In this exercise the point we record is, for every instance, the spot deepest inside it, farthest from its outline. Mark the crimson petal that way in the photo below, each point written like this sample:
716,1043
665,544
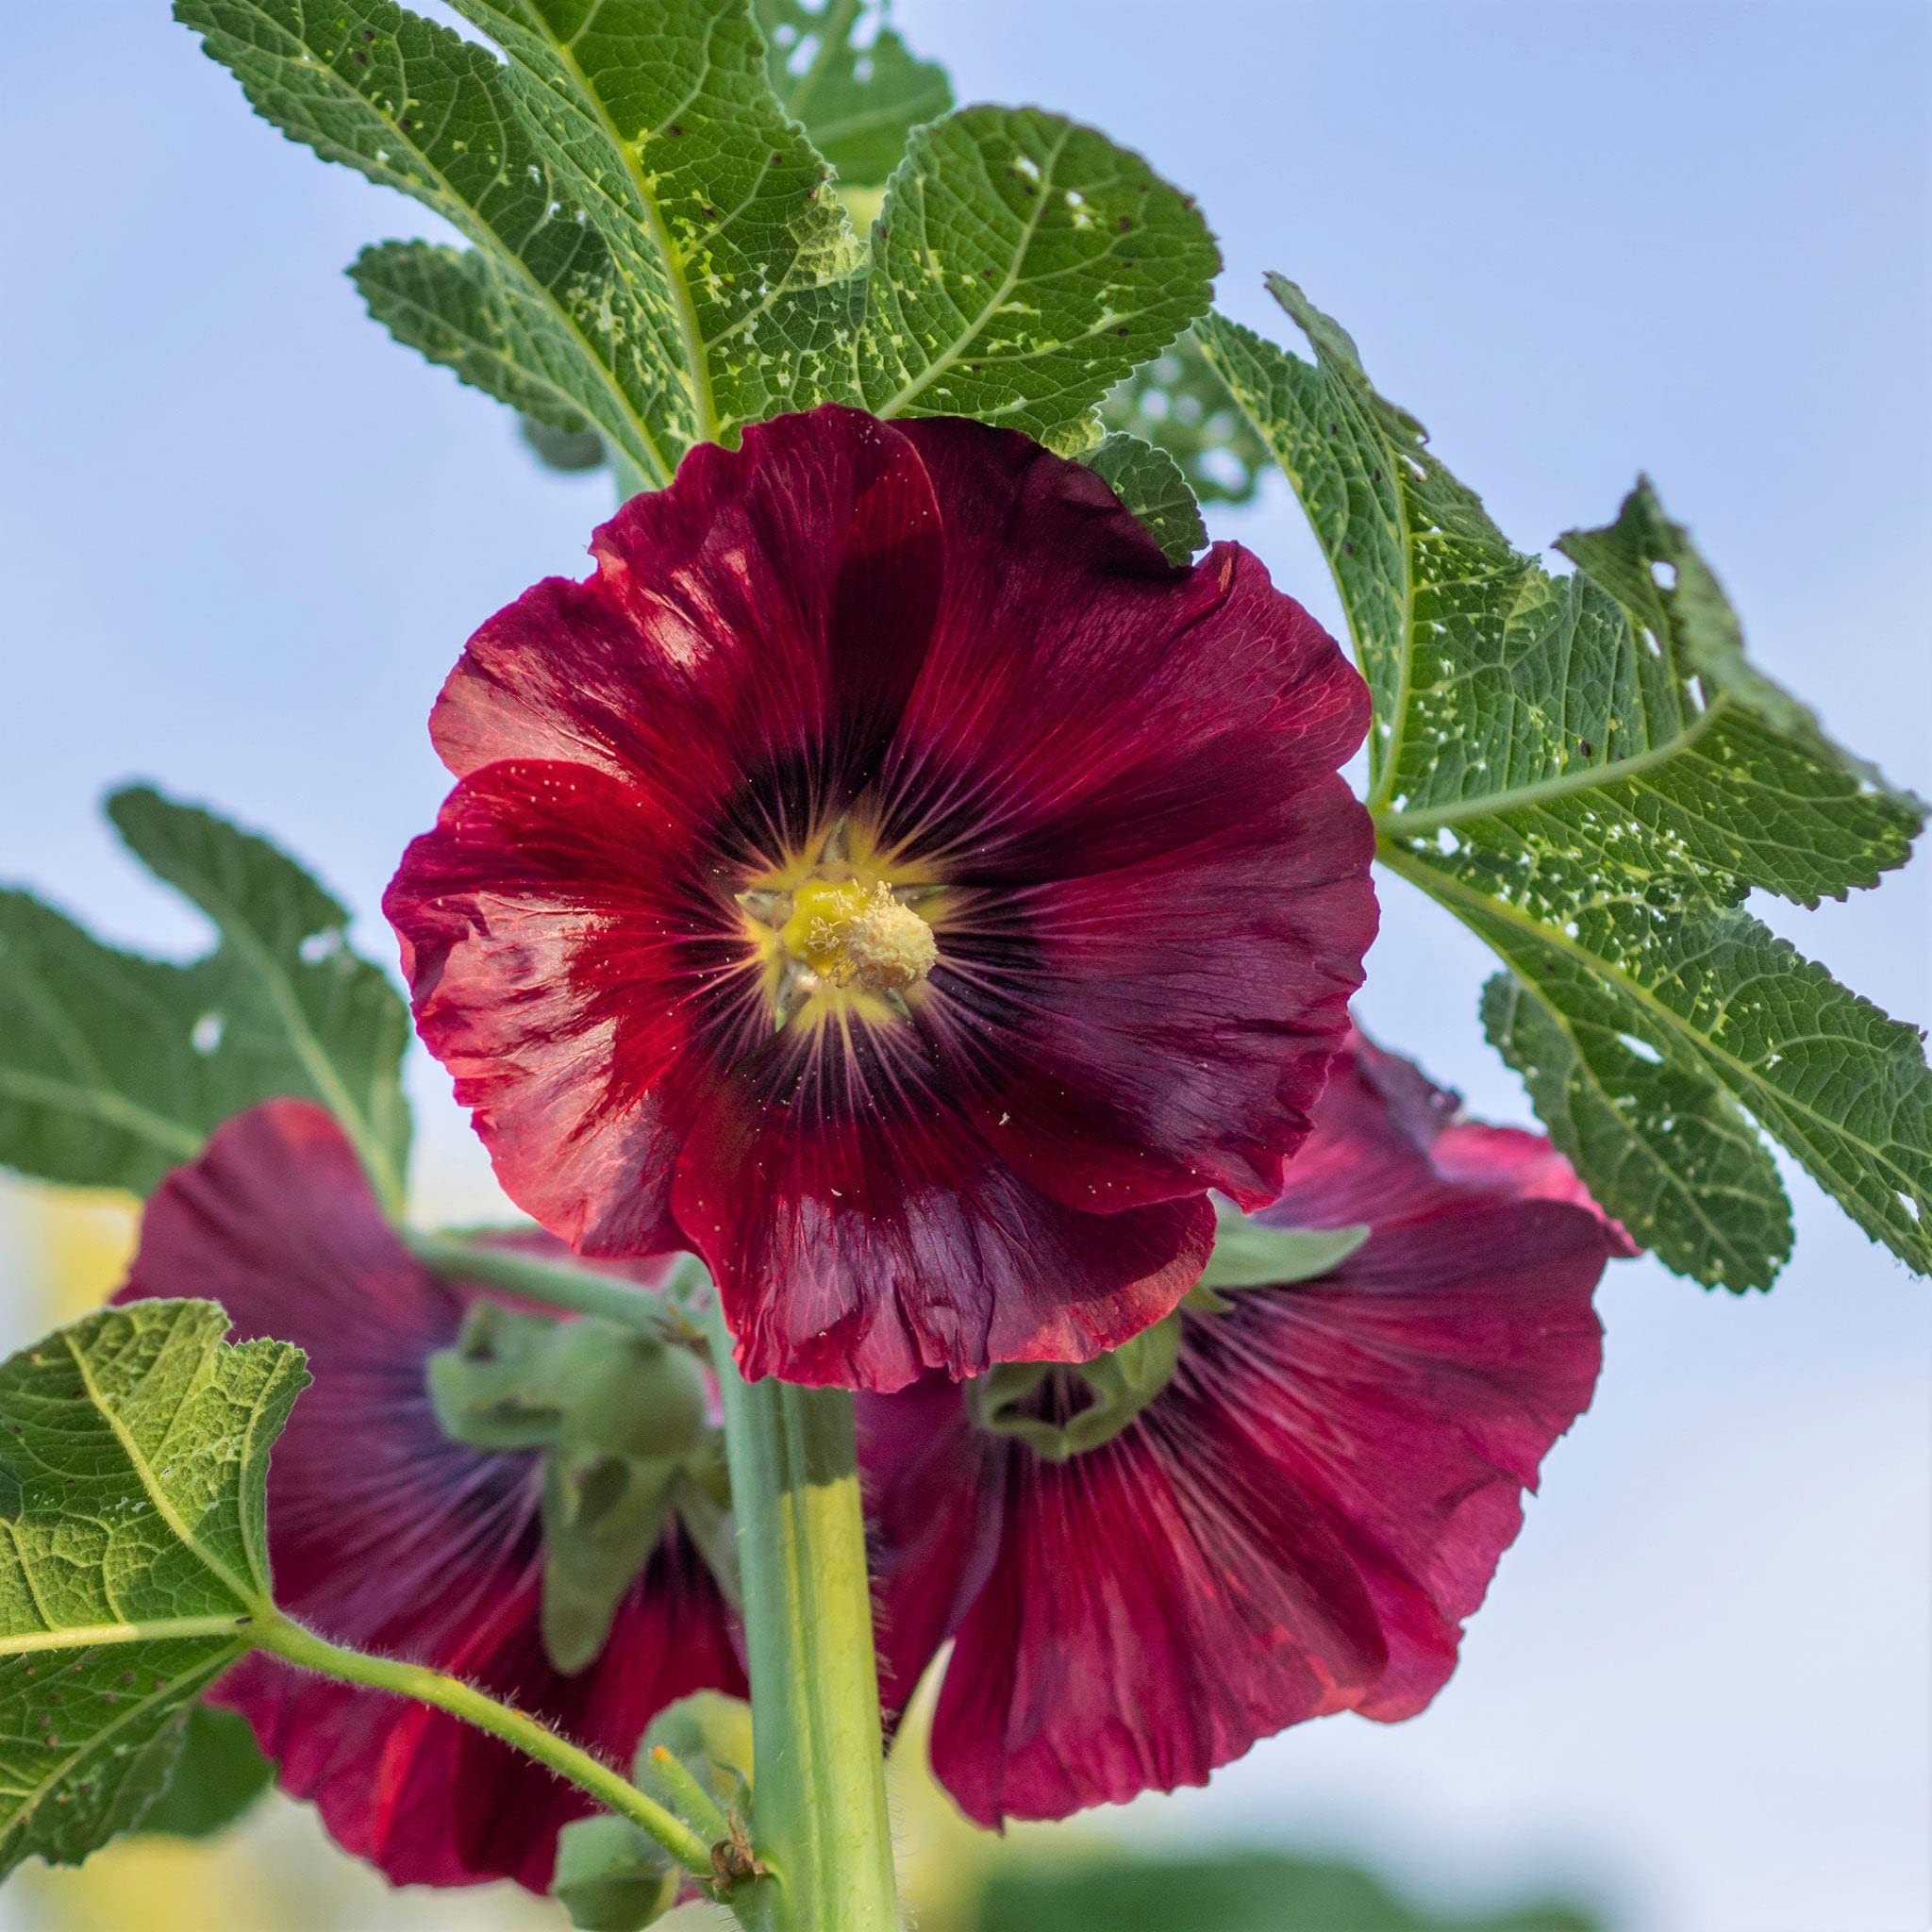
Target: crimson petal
1154,902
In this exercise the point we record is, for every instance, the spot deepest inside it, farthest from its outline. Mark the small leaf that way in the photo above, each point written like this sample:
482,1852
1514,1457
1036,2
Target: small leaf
133,1462
1022,265
858,103
1249,1255
1179,404
1150,483
114,1068
218,1777
1586,771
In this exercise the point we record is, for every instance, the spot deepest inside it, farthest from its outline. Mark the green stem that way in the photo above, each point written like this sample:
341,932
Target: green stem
696,1803
274,1632
558,1284
819,1789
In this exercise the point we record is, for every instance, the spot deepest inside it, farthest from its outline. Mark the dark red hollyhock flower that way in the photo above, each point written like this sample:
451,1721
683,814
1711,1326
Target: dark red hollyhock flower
1301,1519
387,1535
886,877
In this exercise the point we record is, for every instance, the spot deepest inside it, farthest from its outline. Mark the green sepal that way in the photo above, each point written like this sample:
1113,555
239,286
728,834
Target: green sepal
602,1518
518,1381
610,1877
485,1388
1122,1383
1249,1255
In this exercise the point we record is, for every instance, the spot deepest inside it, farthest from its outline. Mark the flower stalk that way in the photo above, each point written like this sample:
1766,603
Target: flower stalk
288,1640
819,1790
557,1284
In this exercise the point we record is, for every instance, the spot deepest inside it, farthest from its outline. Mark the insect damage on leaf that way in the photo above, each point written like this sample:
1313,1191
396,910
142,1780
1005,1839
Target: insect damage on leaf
1589,773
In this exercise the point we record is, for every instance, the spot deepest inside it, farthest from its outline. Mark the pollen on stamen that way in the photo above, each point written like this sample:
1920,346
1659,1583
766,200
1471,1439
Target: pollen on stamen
884,947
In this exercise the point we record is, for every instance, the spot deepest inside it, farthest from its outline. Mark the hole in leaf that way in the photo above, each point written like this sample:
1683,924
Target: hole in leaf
1641,1048
1664,576
205,1036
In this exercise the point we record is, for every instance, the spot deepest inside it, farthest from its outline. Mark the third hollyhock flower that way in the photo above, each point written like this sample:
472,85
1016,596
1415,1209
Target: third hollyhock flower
387,1535
888,877
1309,1492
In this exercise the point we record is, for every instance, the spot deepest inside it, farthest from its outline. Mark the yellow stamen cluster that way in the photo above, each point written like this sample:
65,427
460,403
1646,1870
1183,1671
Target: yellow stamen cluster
880,944
834,930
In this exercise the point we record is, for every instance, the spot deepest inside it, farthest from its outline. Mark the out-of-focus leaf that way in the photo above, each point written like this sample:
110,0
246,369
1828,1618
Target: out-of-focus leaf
839,67
218,1777
1232,1891
114,1068
1179,404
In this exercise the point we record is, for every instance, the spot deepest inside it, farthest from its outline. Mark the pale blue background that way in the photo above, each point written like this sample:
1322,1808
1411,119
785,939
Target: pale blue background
242,535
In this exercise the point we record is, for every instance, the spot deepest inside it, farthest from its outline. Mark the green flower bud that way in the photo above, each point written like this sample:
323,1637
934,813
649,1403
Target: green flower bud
486,1390
610,1877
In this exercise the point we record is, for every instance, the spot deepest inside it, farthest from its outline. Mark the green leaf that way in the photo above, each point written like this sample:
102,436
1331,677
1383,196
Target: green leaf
658,124
114,1068
569,450
1179,404
1022,265
458,308
218,1775
133,1458
414,107
1150,483
1586,769
1229,1890
858,103
659,253
1249,1255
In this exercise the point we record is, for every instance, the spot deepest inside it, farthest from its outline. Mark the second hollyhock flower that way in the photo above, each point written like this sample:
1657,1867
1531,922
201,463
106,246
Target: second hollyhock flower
886,877
1281,1504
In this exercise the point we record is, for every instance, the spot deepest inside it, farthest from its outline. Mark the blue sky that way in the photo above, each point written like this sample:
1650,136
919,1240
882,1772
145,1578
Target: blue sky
243,537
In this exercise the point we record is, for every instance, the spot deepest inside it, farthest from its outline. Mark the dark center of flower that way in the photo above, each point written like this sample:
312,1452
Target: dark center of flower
841,927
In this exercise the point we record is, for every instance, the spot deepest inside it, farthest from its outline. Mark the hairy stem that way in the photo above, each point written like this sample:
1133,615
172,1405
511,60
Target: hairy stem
274,1632
558,1284
819,1789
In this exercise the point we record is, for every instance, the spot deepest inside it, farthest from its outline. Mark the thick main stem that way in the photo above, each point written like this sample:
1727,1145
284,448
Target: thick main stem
818,1784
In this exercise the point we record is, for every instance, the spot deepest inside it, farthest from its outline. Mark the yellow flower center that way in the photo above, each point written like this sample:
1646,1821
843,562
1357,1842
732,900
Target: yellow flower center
843,929
851,934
